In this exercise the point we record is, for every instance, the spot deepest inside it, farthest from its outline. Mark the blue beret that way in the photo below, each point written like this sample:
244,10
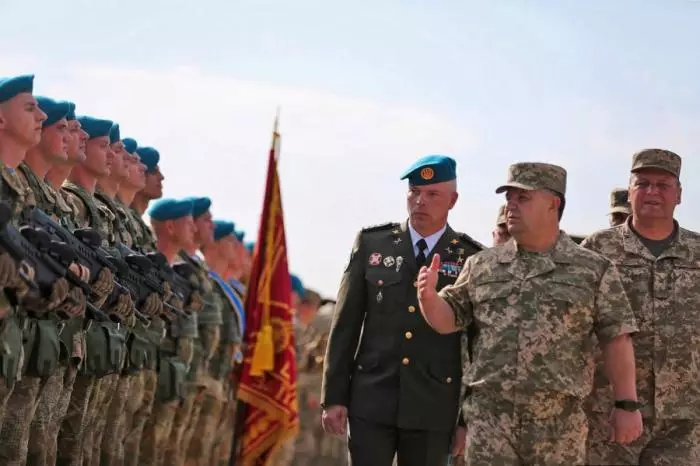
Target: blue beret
149,157
54,110
431,169
95,127
114,135
71,111
297,286
11,87
130,145
170,209
250,246
223,228
201,205
240,235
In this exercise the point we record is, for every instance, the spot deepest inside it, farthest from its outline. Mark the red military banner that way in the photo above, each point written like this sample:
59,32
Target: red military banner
269,372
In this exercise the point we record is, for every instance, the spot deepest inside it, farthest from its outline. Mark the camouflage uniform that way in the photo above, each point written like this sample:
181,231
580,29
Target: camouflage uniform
54,397
313,446
17,194
219,393
103,358
533,359
209,322
41,372
664,291
143,390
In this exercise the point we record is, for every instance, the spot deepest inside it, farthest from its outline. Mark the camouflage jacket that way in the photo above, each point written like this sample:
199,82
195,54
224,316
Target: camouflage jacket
91,213
16,192
665,295
53,202
122,233
147,239
535,315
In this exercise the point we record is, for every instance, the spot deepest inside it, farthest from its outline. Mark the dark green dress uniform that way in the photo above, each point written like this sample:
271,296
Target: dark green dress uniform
399,379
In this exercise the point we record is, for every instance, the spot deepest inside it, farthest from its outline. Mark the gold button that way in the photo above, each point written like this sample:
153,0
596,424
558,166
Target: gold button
448,380
408,335
380,282
405,361
411,308
359,366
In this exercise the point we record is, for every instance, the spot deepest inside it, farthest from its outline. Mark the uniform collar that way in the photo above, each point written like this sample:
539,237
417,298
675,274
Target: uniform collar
431,240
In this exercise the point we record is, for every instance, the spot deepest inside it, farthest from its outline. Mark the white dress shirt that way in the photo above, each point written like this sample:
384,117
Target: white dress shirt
431,240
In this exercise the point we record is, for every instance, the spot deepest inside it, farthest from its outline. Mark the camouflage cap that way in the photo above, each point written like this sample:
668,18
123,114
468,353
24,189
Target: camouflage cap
619,201
501,219
657,158
535,175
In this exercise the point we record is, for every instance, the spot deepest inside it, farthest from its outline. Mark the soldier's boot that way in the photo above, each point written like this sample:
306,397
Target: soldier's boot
112,382
14,436
113,432
41,426
72,431
144,395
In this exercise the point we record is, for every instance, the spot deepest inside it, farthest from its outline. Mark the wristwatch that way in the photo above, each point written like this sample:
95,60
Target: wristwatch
627,405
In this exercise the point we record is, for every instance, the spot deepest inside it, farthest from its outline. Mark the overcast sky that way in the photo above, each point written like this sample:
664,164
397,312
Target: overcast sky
365,88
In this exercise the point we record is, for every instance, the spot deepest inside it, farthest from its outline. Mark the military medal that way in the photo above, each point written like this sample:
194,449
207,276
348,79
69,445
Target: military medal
448,250
399,261
375,258
389,261
397,241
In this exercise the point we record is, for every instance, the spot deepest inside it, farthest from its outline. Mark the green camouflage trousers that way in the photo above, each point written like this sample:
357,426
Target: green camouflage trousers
72,431
112,450
157,433
139,409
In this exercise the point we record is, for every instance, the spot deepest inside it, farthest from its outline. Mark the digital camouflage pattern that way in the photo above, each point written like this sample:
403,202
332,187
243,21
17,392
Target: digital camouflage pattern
664,293
659,159
619,201
535,314
535,175
501,218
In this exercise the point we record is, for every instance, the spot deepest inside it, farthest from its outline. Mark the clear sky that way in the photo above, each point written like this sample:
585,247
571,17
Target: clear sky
365,88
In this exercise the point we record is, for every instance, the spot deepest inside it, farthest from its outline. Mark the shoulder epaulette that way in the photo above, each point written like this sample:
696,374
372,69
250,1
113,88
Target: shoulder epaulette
468,239
383,226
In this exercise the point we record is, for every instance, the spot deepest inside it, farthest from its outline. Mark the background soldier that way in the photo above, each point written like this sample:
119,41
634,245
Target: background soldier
535,302
500,232
658,264
174,230
400,393
619,206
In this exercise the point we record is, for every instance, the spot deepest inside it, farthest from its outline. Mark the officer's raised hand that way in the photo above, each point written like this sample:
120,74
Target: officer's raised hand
427,280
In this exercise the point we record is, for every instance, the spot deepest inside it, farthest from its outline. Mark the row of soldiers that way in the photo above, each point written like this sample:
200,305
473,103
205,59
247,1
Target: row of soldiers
152,383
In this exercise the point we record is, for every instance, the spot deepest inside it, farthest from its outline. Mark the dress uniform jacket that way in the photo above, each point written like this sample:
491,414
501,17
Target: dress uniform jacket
383,361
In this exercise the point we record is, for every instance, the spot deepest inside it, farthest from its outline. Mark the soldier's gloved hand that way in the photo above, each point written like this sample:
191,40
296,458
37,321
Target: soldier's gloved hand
152,306
122,308
9,275
73,305
196,303
82,272
103,285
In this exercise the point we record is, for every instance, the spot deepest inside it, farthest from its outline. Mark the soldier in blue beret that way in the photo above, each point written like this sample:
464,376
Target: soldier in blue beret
20,119
130,145
154,180
75,151
382,389
98,153
53,147
218,255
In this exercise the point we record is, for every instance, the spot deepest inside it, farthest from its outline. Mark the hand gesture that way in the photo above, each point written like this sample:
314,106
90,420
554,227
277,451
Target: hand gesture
428,278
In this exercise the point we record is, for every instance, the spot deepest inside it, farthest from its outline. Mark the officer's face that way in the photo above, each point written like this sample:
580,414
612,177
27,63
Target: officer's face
76,142
500,234
618,218
654,194
99,156
154,184
21,118
429,205
527,211
120,167
55,140
205,229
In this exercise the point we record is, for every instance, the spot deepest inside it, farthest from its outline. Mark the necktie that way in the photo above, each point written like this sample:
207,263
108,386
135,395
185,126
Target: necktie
420,258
